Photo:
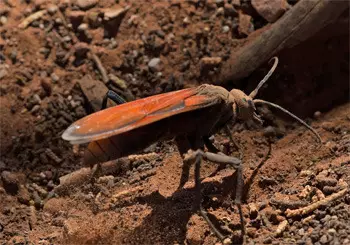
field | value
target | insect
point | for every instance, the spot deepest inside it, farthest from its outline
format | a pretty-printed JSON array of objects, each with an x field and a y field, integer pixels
[{"x": 190, "y": 116}]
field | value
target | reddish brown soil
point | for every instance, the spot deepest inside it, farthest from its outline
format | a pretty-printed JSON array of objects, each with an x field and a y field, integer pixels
[{"x": 141, "y": 204}]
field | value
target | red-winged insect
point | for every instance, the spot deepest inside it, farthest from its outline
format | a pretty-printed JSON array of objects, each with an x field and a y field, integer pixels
[{"x": 190, "y": 116}]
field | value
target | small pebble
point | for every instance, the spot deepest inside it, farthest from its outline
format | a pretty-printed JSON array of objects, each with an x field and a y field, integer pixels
[
  {"x": 52, "y": 9},
  {"x": 332, "y": 232},
  {"x": 317, "y": 114},
  {"x": 154, "y": 64},
  {"x": 323, "y": 239},
  {"x": 186, "y": 21},
  {"x": 58, "y": 21},
  {"x": 54, "y": 77},
  {"x": 3, "y": 20},
  {"x": 83, "y": 27},
  {"x": 86, "y": 4},
  {"x": 225, "y": 29},
  {"x": 67, "y": 39}
]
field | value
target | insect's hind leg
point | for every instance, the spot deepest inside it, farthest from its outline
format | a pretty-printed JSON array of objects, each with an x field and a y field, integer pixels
[
  {"x": 183, "y": 145},
  {"x": 198, "y": 155},
  {"x": 116, "y": 98}
]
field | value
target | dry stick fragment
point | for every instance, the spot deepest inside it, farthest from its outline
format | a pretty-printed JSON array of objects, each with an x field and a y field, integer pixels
[
  {"x": 52, "y": 155},
  {"x": 266, "y": 221},
  {"x": 136, "y": 157},
  {"x": 27, "y": 21},
  {"x": 100, "y": 67},
  {"x": 284, "y": 204},
  {"x": 320, "y": 194},
  {"x": 281, "y": 228},
  {"x": 39, "y": 189},
  {"x": 123, "y": 194},
  {"x": 316, "y": 205},
  {"x": 81, "y": 176},
  {"x": 32, "y": 217}
]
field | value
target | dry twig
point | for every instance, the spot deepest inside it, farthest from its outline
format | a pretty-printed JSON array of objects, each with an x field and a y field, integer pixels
[
  {"x": 281, "y": 227},
  {"x": 27, "y": 21},
  {"x": 316, "y": 205},
  {"x": 100, "y": 67}
]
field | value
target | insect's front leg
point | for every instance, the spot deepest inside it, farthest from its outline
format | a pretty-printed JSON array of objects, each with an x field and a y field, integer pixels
[{"x": 221, "y": 158}]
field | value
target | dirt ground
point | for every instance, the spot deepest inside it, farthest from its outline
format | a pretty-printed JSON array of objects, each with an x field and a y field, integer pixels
[{"x": 49, "y": 77}]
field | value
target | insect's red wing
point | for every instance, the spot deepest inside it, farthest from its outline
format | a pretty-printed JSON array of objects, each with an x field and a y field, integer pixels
[{"x": 135, "y": 114}]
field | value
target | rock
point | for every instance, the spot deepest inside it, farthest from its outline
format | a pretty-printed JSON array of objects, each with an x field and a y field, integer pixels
[
  {"x": 133, "y": 20},
  {"x": 220, "y": 3},
  {"x": 229, "y": 10},
  {"x": 48, "y": 174},
  {"x": 301, "y": 232},
  {"x": 186, "y": 21},
  {"x": 185, "y": 65},
  {"x": 86, "y": 4},
  {"x": 317, "y": 114},
  {"x": 117, "y": 81},
  {"x": 270, "y": 10},
  {"x": 324, "y": 239},
  {"x": 37, "y": 200},
  {"x": 94, "y": 91},
  {"x": 269, "y": 131},
  {"x": 35, "y": 109},
  {"x": 332, "y": 231},
  {"x": 52, "y": 9},
  {"x": 13, "y": 55},
  {"x": 251, "y": 232},
  {"x": 253, "y": 211},
  {"x": 236, "y": 3},
  {"x": 114, "y": 13},
  {"x": 245, "y": 25},
  {"x": 54, "y": 77},
  {"x": 225, "y": 29},
  {"x": 220, "y": 11},
  {"x": 326, "y": 181},
  {"x": 76, "y": 18},
  {"x": 154, "y": 64},
  {"x": 83, "y": 27},
  {"x": 3, "y": 89},
  {"x": 11, "y": 181},
  {"x": 106, "y": 180},
  {"x": 23, "y": 195},
  {"x": 81, "y": 49},
  {"x": 3, "y": 20}
]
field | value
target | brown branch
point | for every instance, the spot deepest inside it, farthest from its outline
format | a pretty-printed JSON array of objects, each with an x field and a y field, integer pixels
[{"x": 304, "y": 20}]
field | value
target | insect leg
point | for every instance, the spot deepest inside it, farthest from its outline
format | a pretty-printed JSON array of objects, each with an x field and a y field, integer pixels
[
  {"x": 228, "y": 133},
  {"x": 220, "y": 158},
  {"x": 114, "y": 97},
  {"x": 210, "y": 145},
  {"x": 198, "y": 198},
  {"x": 183, "y": 146}
]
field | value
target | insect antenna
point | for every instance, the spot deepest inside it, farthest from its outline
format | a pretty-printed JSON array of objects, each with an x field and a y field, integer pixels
[
  {"x": 255, "y": 91},
  {"x": 258, "y": 101}
]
